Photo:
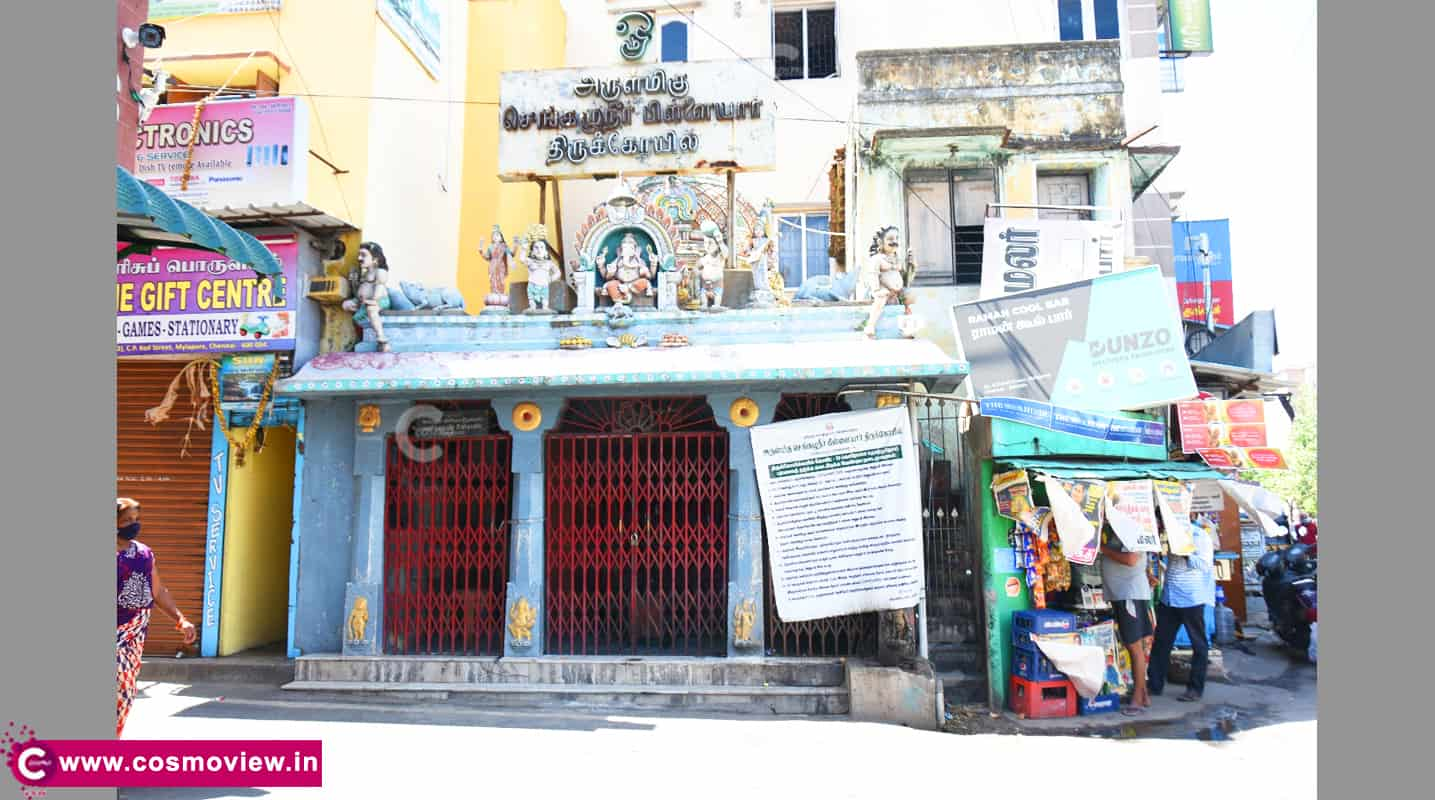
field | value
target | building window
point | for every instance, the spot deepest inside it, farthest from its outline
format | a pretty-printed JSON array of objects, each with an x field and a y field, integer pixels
[
  {"x": 804, "y": 43},
  {"x": 802, "y": 246},
  {"x": 675, "y": 41},
  {"x": 946, "y": 211},
  {"x": 1081, "y": 20},
  {"x": 1063, "y": 189}
]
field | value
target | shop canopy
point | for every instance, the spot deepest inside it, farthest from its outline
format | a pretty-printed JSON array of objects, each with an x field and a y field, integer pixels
[
  {"x": 608, "y": 368},
  {"x": 147, "y": 217},
  {"x": 1114, "y": 470}
]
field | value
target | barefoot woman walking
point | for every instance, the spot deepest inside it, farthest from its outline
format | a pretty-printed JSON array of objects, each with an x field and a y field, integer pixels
[{"x": 139, "y": 590}]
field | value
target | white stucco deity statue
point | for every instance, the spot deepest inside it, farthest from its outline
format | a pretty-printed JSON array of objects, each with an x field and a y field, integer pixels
[
  {"x": 880, "y": 277},
  {"x": 371, "y": 296},
  {"x": 711, "y": 268},
  {"x": 628, "y": 273},
  {"x": 543, "y": 269}
]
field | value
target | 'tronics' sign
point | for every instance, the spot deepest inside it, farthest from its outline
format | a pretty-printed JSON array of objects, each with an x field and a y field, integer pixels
[
  {"x": 246, "y": 152},
  {"x": 690, "y": 117}
]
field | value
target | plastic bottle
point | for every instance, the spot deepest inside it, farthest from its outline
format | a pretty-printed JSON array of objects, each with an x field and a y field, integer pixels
[{"x": 1225, "y": 619}]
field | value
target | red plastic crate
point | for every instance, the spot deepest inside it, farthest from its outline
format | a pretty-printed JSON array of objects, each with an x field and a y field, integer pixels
[{"x": 1042, "y": 699}]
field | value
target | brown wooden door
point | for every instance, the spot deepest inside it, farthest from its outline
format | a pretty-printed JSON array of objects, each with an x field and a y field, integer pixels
[{"x": 173, "y": 490}]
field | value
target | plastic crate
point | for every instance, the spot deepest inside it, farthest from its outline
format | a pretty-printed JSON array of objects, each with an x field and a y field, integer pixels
[
  {"x": 1042, "y": 699},
  {"x": 1031, "y": 664},
  {"x": 1025, "y": 623},
  {"x": 1100, "y": 704}
]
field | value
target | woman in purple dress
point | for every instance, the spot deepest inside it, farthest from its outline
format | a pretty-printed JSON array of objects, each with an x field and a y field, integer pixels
[{"x": 139, "y": 590}]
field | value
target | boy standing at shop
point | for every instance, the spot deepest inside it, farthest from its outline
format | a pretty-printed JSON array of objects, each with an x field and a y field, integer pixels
[
  {"x": 1124, "y": 581},
  {"x": 1189, "y": 587}
]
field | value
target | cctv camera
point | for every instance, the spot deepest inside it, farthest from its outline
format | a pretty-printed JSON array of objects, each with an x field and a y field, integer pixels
[{"x": 151, "y": 36}]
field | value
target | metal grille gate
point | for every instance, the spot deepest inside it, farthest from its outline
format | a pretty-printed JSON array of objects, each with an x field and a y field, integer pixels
[
  {"x": 446, "y": 547},
  {"x": 636, "y": 529},
  {"x": 954, "y": 628},
  {"x": 847, "y": 635}
]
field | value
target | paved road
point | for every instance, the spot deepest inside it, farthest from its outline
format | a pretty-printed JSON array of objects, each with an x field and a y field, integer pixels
[{"x": 433, "y": 751}]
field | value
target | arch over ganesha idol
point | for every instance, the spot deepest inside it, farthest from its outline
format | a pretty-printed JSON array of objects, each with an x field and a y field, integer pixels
[{"x": 666, "y": 217}]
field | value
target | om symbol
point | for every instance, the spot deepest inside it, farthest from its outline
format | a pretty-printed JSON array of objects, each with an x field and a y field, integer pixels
[{"x": 637, "y": 30}]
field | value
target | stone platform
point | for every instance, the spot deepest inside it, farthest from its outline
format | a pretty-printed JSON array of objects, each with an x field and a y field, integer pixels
[{"x": 757, "y": 686}]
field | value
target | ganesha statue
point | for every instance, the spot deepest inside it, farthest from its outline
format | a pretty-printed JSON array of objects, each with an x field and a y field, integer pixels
[{"x": 629, "y": 273}]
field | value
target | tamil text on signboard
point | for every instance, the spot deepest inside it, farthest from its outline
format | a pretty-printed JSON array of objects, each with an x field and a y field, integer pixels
[
  {"x": 1021, "y": 255},
  {"x": 1108, "y": 344},
  {"x": 842, "y": 512},
  {"x": 177, "y": 300},
  {"x": 698, "y": 116}
]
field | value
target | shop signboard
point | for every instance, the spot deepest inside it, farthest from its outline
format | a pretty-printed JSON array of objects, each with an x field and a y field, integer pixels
[
  {"x": 1195, "y": 242},
  {"x": 1021, "y": 255},
  {"x": 1190, "y": 26},
  {"x": 182, "y": 301},
  {"x": 174, "y": 9},
  {"x": 1234, "y": 434},
  {"x": 700, "y": 116},
  {"x": 1075, "y": 422},
  {"x": 1111, "y": 343},
  {"x": 842, "y": 511},
  {"x": 419, "y": 25},
  {"x": 247, "y": 152},
  {"x": 451, "y": 423},
  {"x": 1131, "y": 510},
  {"x": 1244, "y": 457}
]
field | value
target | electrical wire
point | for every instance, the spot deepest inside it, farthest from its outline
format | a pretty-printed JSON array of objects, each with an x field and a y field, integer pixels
[{"x": 318, "y": 116}]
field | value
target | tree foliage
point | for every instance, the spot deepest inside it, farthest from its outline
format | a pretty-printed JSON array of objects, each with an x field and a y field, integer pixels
[{"x": 1297, "y": 484}]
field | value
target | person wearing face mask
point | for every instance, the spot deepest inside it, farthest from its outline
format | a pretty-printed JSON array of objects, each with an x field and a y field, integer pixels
[{"x": 140, "y": 589}]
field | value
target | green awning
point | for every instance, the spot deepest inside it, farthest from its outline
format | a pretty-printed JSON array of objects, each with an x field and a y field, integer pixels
[
  {"x": 1147, "y": 164},
  {"x": 142, "y": 210},
  {"x": 1114, "y": 470}
]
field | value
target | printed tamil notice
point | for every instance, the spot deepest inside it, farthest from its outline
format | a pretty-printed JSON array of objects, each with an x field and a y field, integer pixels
[{"x": 843, "y": 513}]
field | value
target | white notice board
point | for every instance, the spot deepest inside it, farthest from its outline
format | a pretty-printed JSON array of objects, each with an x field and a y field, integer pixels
[{"x": 843, "y": 513}]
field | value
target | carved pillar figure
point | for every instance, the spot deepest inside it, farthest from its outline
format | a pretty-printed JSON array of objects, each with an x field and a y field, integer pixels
[
  {"x": 527, "y": 422},
  {"x": 364, "y": 593},
  {"x": 745, "y": 602}
]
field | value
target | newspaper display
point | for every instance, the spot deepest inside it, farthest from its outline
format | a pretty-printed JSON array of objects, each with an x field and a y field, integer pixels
[
  {"x": 1013, "y": 494},
  {"x": 1077, "y": 505},
  {"x": 1131, "y": 510},
  {"x": 1174, "y": 500}
]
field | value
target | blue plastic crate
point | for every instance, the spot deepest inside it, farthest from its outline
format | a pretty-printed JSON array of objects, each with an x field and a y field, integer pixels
[
  {"x": 1030, "y": 664},
  {"x": 1100, "y": 704},
  {"x": 1025, "y": 623}
]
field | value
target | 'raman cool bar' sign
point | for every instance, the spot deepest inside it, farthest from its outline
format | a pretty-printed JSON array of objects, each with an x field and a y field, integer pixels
[
  {"x": 692, "y": 117},
  {"x": 192, "y": 301}
]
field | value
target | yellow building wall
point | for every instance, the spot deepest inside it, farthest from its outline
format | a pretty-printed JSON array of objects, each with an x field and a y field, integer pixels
[
  {"x": 258, "y": 523},
  {"x": 415, "y": 157},
  {"x": 503, "y": 35},
  {"x": 328, "y": 48}
]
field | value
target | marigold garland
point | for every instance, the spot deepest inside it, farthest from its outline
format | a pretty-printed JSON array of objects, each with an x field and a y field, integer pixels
[{"x": 242, "y": 447}]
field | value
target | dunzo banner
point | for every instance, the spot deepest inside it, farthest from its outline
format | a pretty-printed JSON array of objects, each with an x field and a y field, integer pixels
[{"x": 1111, "y": 343}]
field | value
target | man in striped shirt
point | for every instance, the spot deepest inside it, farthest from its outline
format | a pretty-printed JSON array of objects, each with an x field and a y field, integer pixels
[{"x": 1189, "y": 587}]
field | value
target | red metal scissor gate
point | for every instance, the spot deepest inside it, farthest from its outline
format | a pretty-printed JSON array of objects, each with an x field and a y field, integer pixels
[
  {"x": 446, "y": 546},
  {"x": 636, "y": 529}
]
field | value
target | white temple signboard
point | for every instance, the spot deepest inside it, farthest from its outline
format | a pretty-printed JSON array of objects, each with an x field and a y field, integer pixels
[{"x": 704, "y": 116}]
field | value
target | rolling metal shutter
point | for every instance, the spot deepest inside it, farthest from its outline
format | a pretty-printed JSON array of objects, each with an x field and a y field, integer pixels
[{"x": 173, "y": 491}]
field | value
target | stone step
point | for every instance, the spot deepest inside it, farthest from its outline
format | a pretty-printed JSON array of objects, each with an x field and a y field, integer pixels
[
  {"x": 781, "y": 700},
  {"x": 270, "y": 670},
  {"x": 573, "y": 671}
]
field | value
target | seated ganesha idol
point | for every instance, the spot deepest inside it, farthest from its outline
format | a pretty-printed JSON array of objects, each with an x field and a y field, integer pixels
[{"x": 628, "y": 272}]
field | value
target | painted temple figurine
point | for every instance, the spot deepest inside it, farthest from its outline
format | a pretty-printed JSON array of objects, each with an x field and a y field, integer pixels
[
  {"x": 498, "y": 255},
  {"x": 758, "y": 259},
  {"x": 880, "y": 277},
  {"x": 371, "y": 296},
  {"x": 628, "y": 272},
  {"x": 543, "y": 270},
  {"x": 711, "y": 267}
]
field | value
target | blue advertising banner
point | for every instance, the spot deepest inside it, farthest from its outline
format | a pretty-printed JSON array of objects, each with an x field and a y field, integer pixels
[
  {"x": 1112, "y": 343},
  {"x": 1195, "y": 242},
  {"x": 1077, "y": 423}
]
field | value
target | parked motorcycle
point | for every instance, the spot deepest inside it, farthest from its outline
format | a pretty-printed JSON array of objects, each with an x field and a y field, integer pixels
[{"x": 1288, "y": 584}]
